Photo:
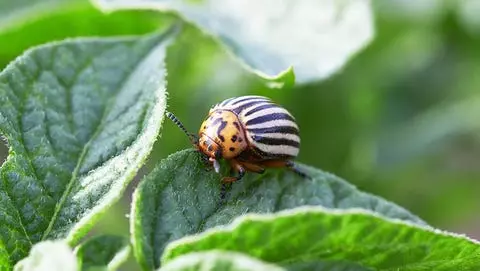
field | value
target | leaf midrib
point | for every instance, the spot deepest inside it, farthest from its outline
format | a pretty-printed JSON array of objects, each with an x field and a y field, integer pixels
[{"x": 85, "y": 149}]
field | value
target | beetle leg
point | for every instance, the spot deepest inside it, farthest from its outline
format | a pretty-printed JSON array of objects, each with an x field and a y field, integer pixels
[
  {"x": 253, "y": 167},
  {"x": 232, "y": 179},
  {"x": 237, "y": 167},
  {"x": 223, "y": 191},
  {"x": 294, "y": 167},
  {"x": 275, "y": 163}
]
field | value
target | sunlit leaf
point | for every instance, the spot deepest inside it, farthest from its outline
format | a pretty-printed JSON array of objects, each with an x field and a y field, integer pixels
[
  {"x": 49, "y": 255},
  {"x": 315, "y": 37},
  {"x": 314, "y": 234},
  {"x": 4, "y": 258}
]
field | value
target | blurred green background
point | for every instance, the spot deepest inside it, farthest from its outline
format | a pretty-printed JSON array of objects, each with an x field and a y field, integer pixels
[{"x": 401, "y": 120}]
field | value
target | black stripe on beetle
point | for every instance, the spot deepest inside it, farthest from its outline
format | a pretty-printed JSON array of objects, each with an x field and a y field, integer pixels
[
  {"x": 269, "y": 117},
  {"x": 259, "y": 108},
  {"x": 246, "y": 106},
  {"x": 275, "y": 141},
  {"x": 275, "y": 129},
  {"x": 273, "y": 156}
]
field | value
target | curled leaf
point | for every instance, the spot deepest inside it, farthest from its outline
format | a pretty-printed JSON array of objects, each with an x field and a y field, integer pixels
[{"x": 316, "y": 38}]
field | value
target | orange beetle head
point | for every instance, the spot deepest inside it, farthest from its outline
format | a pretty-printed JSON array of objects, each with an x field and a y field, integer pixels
[{"x": 221, "y": 136}]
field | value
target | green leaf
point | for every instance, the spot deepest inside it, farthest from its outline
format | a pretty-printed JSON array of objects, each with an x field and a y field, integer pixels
[
  {"x": 15, "y": 13},
  {"x": 315, "y": 233},
  {"x": 333, "y": 265},
  {"x": 80, "y": 117},
  {"x": 315, "y": 37},
  {"x": 218, "y": 260},
  {"x": 179, "y": 197},
  {"x": 103, "y": 252},
  {"x": 49, "y": 255},
  {"x": 66, "y": 19},
  {"x": 4, "y": 258}
]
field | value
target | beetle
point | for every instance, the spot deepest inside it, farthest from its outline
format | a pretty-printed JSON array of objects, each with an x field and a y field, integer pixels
[{"x": 250, "y": 132}]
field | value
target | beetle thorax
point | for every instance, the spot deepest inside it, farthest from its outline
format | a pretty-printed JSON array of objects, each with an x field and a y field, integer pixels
[{"x": 225, "y": 129}]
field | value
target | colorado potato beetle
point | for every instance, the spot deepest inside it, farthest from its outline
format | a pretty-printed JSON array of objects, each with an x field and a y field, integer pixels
[{"x": 250, "y": 132}]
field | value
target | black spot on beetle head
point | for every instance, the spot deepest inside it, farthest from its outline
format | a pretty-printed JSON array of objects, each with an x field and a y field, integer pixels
[
  {"x": 234, "y": 138},
  {"x": 231, "y": 148}
]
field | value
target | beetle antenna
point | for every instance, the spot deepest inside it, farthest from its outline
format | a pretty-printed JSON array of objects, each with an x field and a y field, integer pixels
[{"x": 193, "y": 138}]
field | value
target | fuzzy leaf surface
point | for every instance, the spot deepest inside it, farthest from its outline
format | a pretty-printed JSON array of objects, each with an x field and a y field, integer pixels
[
  {"x": 179, "y": 197},
  {"x": 80, "y": 117}
]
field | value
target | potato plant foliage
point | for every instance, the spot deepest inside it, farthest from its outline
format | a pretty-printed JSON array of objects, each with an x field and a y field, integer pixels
[{"x": 82, "y": 115}]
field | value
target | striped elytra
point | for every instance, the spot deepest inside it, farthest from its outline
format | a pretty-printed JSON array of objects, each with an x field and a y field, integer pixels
[{"x": 252, "y": 132}]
